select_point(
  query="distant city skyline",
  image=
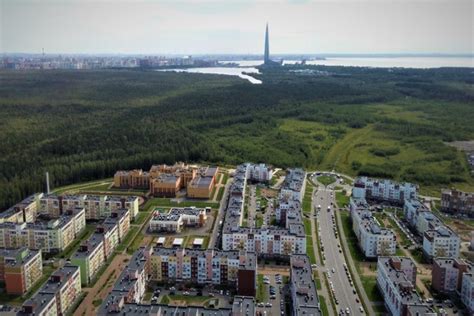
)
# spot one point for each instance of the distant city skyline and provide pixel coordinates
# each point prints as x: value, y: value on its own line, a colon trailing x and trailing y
x: 236, y: 27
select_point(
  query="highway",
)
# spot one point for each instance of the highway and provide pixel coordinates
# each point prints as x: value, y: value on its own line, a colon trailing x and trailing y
x: 343, y: 290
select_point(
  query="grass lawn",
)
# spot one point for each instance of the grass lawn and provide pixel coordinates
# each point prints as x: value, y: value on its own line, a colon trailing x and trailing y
x: 88, y: 230
x: 141, y: 217
x: 262, y: 292
x: 326, y: 180
x: 310, y: 249
x: 188, y: 299
x: 259, y: 220
x: 137, y: 241
x: 165, y: 202
x: 128, y: 238
x: 82, y: 185
x: 370, y: 286
x: 323, y: 305
x: 220, y: 194
x: 308, y: 194
x: 342, y: 200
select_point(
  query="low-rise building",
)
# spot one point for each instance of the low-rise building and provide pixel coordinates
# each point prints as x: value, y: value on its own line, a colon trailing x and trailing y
x: 304, y: 297
x: 446, y: 274
x: 57, y: 295
x: 384, y: 190
x: 457, y: 202
x: 203, y: 184
x: 177, y: 218
x: 20, y: 269
x: 467, y: 291
x: 373, y: 239
x: 133, y: 179
x: 396, y: 279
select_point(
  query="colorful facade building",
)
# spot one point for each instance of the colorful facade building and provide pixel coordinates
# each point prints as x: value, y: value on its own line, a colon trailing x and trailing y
x: 57, y: 295
x: 396, y: 280
x: 20, y: 269
x: 447, y: 274
x: 205, y: 267
x: 457, y: 202
x: 52, y: 236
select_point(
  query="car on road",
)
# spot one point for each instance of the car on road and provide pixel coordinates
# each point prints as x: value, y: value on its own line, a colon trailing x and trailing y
x: 268, y: 304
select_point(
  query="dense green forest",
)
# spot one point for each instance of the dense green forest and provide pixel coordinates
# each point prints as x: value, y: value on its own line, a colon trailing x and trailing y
x: 84, y: 125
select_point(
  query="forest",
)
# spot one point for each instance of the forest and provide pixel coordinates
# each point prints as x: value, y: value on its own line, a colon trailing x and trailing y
x: 85, y: 125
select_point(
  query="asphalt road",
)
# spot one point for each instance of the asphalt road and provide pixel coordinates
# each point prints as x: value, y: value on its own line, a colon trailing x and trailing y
x: 334, y: 258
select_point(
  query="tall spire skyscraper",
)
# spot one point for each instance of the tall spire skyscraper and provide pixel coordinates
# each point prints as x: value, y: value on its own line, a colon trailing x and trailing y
x: 266, y: 56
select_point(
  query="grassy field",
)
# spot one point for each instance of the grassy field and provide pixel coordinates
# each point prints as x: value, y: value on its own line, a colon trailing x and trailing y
x: 342, y: 199
x: 164, y: 202
x: 262, y: 291
x: 308, y: 195
x: 326, y: 180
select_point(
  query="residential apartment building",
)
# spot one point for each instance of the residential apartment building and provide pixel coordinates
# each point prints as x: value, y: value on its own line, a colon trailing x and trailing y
x: 20, y: 269
x: 383, y: 190
x: 52, y: 236
x: 294, y: 184
x: 25, y: 211
x: 57, y: 295
x: 205, y: 267
x: 396, y: 279
x: 438, y: 239
x: 447, y: 273
x: 177, y: 218
x: 260, y: 173
x: 441, y: 242
x: 90, y: 257
x: 267, y: 240
x: 373, y: 239
x: 467, y: 291
x: 131, y: 285
x: 95, y: 206
x: 304, y: 297
x: 457, y: 202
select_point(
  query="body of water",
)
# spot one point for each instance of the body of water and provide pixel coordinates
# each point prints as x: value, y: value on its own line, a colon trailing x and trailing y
x: 229, y: 71
x: 248, y: 66
x: 382, y: 62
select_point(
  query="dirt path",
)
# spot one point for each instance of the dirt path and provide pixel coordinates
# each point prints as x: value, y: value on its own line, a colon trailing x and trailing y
x: 103, y: 286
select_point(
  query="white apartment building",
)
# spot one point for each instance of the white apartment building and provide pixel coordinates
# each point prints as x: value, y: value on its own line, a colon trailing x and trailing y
x: 396, y: 279
x: 373, y: 240
x: 467, y: 291
x: 441, y: 242
x: 259, y: 172
x: 383, y: 190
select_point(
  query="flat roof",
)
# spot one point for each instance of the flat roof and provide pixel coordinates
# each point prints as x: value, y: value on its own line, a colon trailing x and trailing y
x: 198, y: 241
x: 178, y: 241
x: 161, y: 240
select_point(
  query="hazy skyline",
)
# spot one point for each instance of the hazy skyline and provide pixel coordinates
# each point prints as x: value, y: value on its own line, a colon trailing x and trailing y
x: 218, y: 27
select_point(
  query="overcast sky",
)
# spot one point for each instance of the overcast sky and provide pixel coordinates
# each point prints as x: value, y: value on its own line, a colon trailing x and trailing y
x: 231, y: 26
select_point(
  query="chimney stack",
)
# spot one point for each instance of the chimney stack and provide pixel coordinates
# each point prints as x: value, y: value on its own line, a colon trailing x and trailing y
x: 47, y: 183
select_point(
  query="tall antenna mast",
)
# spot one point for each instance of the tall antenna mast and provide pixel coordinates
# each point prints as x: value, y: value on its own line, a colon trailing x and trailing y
x: 47, y: 183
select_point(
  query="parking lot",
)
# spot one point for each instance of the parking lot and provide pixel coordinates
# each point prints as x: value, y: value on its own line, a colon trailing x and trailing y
x: 274, y: 289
